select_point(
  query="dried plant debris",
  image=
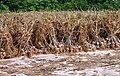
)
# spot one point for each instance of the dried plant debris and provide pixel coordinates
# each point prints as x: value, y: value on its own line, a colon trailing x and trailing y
x: 32, y: 33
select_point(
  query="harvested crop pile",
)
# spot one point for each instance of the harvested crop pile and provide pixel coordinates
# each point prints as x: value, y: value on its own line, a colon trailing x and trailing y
x: 58, y: 32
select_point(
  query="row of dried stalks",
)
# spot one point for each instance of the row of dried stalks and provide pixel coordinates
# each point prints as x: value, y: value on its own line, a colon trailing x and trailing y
x: 58, y: 32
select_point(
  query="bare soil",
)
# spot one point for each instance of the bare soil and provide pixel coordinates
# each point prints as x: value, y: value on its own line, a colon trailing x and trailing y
x: 101, y: 63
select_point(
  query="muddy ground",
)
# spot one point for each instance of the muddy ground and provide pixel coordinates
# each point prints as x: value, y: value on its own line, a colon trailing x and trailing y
x: 99, y: 63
